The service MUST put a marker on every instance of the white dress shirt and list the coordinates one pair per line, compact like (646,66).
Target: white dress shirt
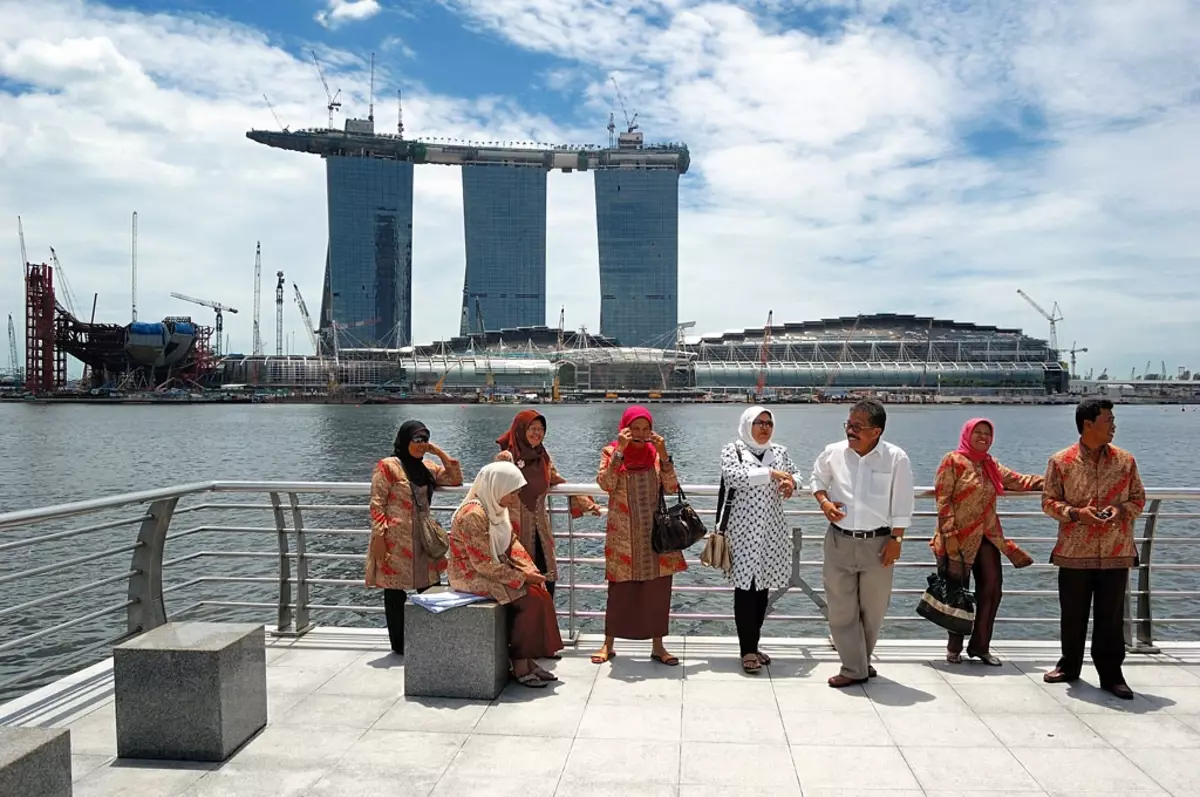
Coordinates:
(877,489)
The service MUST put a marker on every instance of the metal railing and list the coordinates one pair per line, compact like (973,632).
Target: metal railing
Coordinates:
(288,564)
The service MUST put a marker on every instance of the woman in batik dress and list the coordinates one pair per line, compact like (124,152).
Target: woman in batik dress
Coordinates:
(523,445)
(969,536)
(633,469)
(401,493)
(486,558)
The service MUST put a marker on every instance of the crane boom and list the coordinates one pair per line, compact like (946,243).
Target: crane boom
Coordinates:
(308,324)
(1053,317)
(221,309)
(13,367)
(332,98)
(257,348)
(24,254)
(279,314)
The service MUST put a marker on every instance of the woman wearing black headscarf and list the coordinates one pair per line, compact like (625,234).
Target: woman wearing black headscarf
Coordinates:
(401,493)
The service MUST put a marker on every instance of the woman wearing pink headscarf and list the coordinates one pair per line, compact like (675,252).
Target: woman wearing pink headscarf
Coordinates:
(633,468)
(968,529)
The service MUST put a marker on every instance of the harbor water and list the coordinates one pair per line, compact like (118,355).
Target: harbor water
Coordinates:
(56,454)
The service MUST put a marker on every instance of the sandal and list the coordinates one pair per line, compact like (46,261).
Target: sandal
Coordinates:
(763,658)
(751,664)
(668,659)
(544,675)
(954,658)
(531,680)
(600,658)
(840,681)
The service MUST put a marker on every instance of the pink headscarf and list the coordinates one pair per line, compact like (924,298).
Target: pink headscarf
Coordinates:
(638,456)
(990,468)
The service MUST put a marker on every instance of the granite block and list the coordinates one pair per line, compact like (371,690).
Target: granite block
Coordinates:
(459,653)
(35,762)
(190,691)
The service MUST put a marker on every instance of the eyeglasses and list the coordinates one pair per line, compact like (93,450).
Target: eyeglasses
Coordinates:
(856,427)
(768,424)
(421,438)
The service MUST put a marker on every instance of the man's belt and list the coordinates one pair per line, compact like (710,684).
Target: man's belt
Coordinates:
(882,531)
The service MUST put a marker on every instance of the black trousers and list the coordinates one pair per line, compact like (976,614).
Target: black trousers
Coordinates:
(749,612)
(539,560)
(989,589)
(1103,593)
(393,611)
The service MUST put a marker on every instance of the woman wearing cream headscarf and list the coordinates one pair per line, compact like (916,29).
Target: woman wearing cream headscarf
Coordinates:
(758,476)
(487,559)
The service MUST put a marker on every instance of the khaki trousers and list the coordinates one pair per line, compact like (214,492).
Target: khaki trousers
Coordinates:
(858,589)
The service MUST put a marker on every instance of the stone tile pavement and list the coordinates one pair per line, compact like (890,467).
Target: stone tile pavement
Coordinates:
(341,727)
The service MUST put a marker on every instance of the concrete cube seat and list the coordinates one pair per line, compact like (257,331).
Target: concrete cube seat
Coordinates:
(35,762)
(190,691)
(460,653)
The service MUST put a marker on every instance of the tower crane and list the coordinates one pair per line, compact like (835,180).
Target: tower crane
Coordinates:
(278,313)
(308,324)
(630,123)
(332,98)
(220,309)
(257,348)
(1073,351)
(1054,316)
(763,354)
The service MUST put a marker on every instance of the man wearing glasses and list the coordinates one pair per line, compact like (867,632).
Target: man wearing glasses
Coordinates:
(865,488)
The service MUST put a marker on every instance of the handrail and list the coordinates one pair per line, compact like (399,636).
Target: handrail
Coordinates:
(145,607)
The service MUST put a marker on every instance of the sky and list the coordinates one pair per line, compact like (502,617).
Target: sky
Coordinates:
(848,156)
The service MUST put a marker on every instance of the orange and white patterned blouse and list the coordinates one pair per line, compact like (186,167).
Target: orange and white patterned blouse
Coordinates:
(632,502)
(472,568)
(406,566)
(966,504)
(1077,477)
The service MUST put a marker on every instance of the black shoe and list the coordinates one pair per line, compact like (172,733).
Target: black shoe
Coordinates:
(871,672)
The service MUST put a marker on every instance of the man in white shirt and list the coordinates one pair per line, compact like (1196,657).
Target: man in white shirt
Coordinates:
(865,488)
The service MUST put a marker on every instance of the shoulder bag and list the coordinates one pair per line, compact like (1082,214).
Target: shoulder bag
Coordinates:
(948,601)
(433,537)
(717,551)
(677,527)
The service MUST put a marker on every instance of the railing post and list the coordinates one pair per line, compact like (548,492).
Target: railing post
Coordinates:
(572,631)
(303,625)
(1139,628)
(283,622)
(145,588)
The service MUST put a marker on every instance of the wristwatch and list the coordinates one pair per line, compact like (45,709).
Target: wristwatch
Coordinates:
(898,538)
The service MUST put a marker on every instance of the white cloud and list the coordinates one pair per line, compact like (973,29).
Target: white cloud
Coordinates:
(339,12)
(829,169)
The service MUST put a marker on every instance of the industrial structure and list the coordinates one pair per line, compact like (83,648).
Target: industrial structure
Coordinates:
(369,259)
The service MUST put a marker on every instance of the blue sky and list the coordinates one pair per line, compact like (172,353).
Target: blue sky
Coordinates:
(848,155)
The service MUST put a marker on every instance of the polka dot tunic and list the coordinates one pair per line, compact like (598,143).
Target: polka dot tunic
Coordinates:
(758,532)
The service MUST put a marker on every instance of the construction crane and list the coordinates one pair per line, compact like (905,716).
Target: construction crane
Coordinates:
(630,123)
(1054,316)
(1073,351)
(60,277)
(764,351)
(220,309)
(332,98)
(278,313)
(24,254)
(308,324)
(256,347)
(282,126)
(14,370)
(133,283)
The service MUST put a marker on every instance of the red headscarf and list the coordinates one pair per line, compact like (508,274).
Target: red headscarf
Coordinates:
(990,468)
(532,460)
(638,456)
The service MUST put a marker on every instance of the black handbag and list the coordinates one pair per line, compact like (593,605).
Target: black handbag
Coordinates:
(677,527)
(948,602)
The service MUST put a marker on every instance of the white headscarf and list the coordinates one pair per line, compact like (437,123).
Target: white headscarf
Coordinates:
(493,483)
(746,433)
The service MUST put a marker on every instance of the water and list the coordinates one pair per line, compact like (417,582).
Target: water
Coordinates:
(60,453)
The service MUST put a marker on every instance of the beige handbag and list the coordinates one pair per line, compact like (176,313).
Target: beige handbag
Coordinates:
(717,552)
(434,538)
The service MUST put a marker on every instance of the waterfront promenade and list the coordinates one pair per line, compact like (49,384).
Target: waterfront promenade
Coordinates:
(340,725)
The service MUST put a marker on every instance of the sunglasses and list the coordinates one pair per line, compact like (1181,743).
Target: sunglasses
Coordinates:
(421,438)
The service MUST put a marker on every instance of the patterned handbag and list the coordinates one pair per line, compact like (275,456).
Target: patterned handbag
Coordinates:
(948,601)
(434,538)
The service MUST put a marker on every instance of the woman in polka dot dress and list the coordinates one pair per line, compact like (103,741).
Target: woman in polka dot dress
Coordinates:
(758,475)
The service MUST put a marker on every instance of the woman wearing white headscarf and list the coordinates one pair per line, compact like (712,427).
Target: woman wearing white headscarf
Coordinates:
(758,476)
(487,559)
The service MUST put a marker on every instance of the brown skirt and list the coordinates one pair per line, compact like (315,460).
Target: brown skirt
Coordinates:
(638,609)
(533,627)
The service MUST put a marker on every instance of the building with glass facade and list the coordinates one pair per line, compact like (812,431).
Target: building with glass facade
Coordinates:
(504,215)
(637,226)
(368,266)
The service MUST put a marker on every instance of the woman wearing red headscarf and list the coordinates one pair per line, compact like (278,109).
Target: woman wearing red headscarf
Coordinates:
(633,468)
(522,445)
(968,529)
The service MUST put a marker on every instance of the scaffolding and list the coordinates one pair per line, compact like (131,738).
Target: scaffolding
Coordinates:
(45,363)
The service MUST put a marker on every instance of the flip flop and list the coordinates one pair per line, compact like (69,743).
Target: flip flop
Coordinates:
(669,660)
(544,675)
(751,664)
(763,658)
(531,680)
